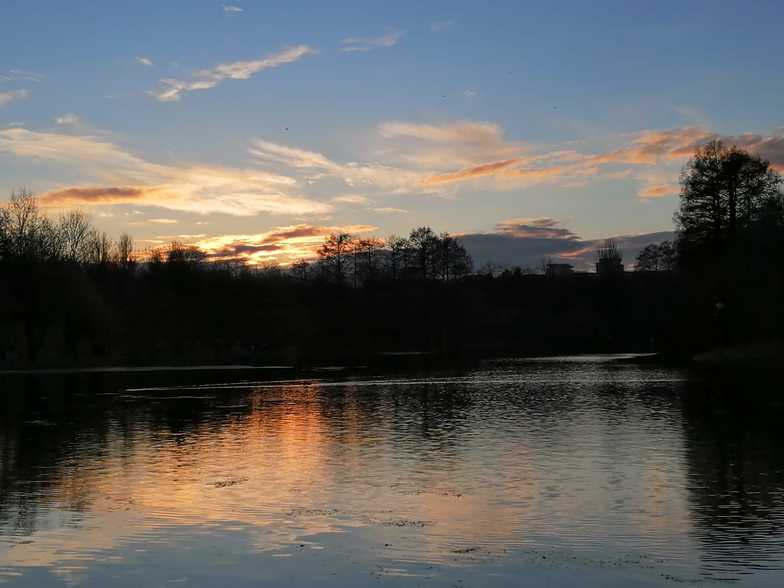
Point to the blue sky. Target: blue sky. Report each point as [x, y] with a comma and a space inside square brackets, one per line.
[378, 116]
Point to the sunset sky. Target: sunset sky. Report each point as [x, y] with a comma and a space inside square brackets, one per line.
[254, 128]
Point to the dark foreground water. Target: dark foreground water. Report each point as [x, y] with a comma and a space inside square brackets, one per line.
[558, 473]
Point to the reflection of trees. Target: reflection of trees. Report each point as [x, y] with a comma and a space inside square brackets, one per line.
[55, 431]
[42, 424]
[76, 442]
[734, 450]
[59, 434]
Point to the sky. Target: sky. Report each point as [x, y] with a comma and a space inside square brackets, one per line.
[533, 129]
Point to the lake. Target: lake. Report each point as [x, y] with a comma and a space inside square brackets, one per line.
[561, 472]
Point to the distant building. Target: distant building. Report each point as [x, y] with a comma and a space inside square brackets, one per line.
[558, 270]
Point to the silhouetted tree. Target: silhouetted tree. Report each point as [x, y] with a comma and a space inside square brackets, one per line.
[667, 256]
[98, 249]
[397, 246]
[24, 232]
[423, 248]
[125, 254]
[452, 258]
[609, 259]
[74, 229]
[648, 258]
[369, 251]
[656, 257]
[723, 192]
[299, 269]
[179, 254]
[333, 254]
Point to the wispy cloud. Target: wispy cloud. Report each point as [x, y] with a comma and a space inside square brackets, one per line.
[476, 151]
[363, 44]
[117, 176]
[497, 168]
[444, 158]
[17, 75]
[69, 118]
[172, 89]
[12, 95]
[446, 145]
[188, 237]
[389, 210]
[380, 176]
[231, 9]
[145, 61]
[351, 199]
[163, 221]
[484, 133]
[441, 26]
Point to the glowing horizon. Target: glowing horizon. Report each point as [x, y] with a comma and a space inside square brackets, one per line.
[244, 122]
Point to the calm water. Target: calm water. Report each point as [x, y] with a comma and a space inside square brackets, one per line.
[561, 473]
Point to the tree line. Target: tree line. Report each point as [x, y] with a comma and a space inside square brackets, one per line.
[71, 295]
[27, 235]
[422, 255]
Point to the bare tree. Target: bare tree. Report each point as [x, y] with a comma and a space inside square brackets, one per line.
[397, 246]
[424, 249]
[333, 253]
[452, 258]
[74, 228]
[299, 269]
[154, 256]
[124, 250]
[97, 248]
[181, 254]
[20, 220]
[365, 254]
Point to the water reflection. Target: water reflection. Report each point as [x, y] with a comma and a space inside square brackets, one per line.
[600, 469]
[735, 449]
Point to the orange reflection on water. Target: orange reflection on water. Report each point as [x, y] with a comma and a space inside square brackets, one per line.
[289, 462]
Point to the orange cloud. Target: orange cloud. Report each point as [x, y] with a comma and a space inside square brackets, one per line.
[234, 194]
[89, 196]
[539, 173]
[478, 171]
[659, 191]
[280, 245]
[500, 169]
[120, 177]
[649, 147]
